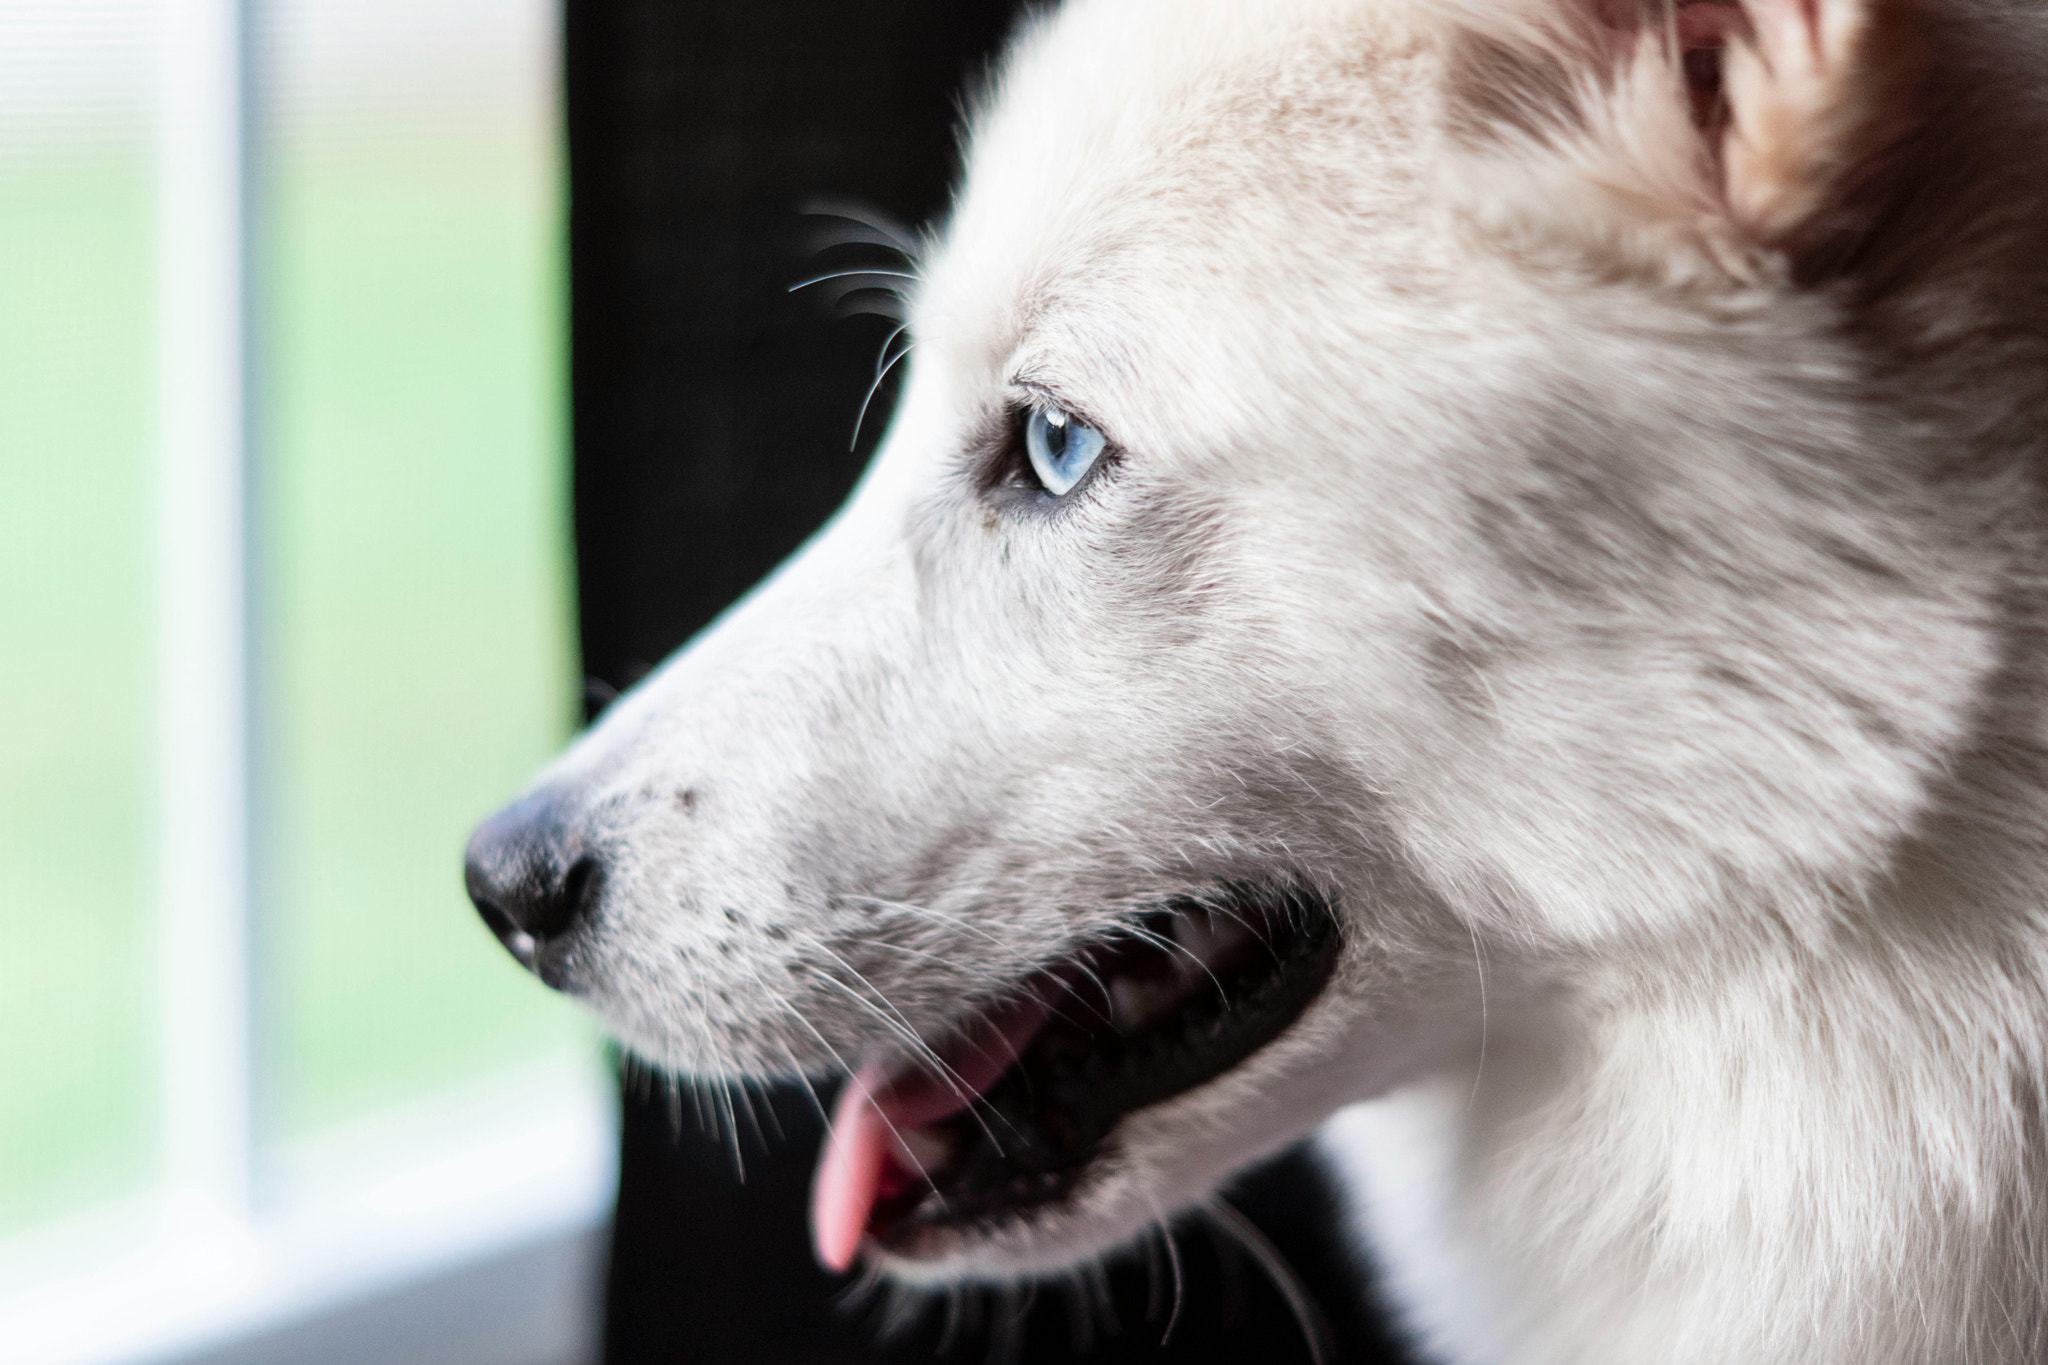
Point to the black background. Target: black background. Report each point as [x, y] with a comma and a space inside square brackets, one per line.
[712, 413]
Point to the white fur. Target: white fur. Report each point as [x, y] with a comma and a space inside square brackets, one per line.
[1527, 531]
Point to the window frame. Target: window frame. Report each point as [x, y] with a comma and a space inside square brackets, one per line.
[238, 1240]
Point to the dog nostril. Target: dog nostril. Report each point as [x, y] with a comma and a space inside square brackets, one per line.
[572, 901]
[577, 886]
[535, 903]
[530, 882]
[517, 941]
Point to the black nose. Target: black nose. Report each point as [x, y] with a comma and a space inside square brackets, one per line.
[532, 878]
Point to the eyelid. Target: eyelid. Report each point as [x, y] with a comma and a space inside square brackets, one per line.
[1026, 391]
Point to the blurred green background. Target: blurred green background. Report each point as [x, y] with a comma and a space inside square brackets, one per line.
[77, 338]
[415, 634]
[416, 539]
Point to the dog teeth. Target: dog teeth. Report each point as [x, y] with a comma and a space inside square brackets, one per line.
[1215, 941]
[1136, 1002]
[924, 1149]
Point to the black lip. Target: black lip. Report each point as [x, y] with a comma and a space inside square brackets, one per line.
[1033, 1134]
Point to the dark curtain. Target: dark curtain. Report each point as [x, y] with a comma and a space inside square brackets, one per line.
[713, 410]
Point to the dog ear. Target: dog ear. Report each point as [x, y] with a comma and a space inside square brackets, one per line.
[1816, 93]
[1757, 127]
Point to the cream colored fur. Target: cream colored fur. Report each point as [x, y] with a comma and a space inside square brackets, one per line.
[1592, 530]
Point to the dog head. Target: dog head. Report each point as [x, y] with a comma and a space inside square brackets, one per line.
[1385, 490]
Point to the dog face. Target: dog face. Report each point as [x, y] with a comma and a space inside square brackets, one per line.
[1332, 545]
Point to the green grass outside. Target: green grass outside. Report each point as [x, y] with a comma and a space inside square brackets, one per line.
[418, 658]
[418, 558]
[77, 336]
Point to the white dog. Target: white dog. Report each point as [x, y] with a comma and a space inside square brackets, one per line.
[1473, 566]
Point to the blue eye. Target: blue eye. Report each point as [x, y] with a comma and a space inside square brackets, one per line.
[1062, 448]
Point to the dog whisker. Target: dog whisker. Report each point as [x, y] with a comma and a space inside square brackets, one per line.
[955, 1315]
[987, 976]
[1016, 1302]
[880, 230]
[822, 240]
[926, 1059]
[1315, 1331]
[1168, 945]
[854, 273]
[882, 356]
[803, 1078]
[1166, 1235]
[881, 377]
[941, 917]
[880, 1006]
[732, 1126]
[1479, 1071]
[753, 1093]
[869, 303]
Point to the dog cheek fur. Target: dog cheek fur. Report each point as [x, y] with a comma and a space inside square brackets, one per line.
[1681, 647]
[1701, 693]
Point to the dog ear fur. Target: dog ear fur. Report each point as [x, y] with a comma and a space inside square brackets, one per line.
[1816, 92]
[1757, 131]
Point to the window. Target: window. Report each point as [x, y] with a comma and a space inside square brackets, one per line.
[413, 507]
[284, 608]
[77, 271]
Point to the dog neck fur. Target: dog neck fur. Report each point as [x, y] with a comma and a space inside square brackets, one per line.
[1810, 1126]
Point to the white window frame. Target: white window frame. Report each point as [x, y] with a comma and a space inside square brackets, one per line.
[237, 1241]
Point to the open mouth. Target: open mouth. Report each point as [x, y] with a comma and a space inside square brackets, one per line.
[1010, 1113]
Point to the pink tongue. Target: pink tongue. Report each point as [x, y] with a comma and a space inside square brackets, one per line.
[849, 1179]
[863, 1161]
